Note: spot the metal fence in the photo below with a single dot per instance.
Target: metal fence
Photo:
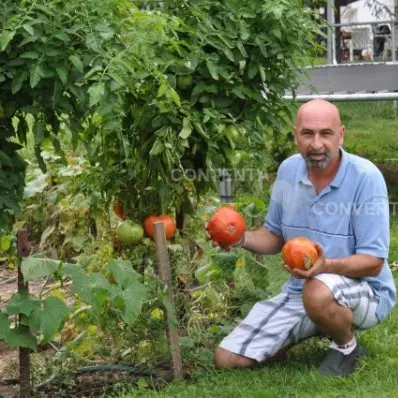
(363, 42)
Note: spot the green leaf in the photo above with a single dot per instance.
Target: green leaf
(29, 29)
(22, 303)
(242, 49)
(5, 37)
(262, 73)
(96, 93)
(133, 298)
(62, 73)
(157, 148)
(123, 272)
(174, 96)
(36, 73)
(77, 62)
(186, 130)
(162, 90)
(5, 242)
(213, 70)
(21, 336)
(229, 54)
(277, 32)
(17, 82)
(34, 268)
(93, 71)
(117, 78)
(5, 159)
(30, 55)
(252, 71)
(49, 319)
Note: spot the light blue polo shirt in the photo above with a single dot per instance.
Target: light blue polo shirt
(350, 216)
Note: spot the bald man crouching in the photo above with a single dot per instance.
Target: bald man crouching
(339, 201)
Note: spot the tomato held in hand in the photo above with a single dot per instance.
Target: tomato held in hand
(169, 225)
(226, 227)
(299, 253)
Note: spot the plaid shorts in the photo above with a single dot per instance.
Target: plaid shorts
(282, 321)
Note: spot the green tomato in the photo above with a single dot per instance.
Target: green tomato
(129, 233)
(184, 82)
(236, 136)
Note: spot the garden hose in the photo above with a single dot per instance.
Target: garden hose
(101, 368)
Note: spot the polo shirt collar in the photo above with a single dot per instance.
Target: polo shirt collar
(338, 178)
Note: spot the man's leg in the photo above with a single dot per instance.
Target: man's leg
(266, 333)
(323, 309)
(225, 359)
(338, 305)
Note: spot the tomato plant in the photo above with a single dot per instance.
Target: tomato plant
(146, 109)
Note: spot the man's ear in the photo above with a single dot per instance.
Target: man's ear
(342, 132)
(295, 134)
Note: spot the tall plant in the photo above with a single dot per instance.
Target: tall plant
(151, 94)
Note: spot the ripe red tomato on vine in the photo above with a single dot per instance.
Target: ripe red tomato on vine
(169, 224)
(118, 209)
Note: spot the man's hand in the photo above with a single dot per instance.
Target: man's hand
(317, 268)
(215, 244)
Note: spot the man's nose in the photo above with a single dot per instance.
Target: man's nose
(316, 142)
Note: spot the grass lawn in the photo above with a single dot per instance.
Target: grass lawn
(371, 130)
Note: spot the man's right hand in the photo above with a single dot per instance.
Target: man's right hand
(215, 244)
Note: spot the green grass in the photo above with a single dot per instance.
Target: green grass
(371, 130)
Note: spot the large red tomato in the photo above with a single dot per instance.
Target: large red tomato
(299, 253)
(169, 224)
(226, 226)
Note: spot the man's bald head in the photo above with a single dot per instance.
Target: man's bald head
(318, 108)
(319, 133)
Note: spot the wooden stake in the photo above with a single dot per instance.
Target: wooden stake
(24, 353)
(165, 275)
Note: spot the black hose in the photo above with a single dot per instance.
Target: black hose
(102, 368)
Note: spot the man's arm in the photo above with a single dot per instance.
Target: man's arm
(355, 266)
(262, 241)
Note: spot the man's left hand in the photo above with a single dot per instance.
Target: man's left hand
(318, 267)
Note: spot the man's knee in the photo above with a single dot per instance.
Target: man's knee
(317, 298)
(225, 359)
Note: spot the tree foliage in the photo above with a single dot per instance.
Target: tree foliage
(148, 93)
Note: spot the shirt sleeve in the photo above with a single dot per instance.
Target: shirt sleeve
(371, 218)
(273, 219)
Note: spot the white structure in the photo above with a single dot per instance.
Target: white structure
(358, 11)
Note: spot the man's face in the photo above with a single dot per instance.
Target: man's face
(318, 135)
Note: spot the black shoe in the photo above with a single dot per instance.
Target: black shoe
(337, 364)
